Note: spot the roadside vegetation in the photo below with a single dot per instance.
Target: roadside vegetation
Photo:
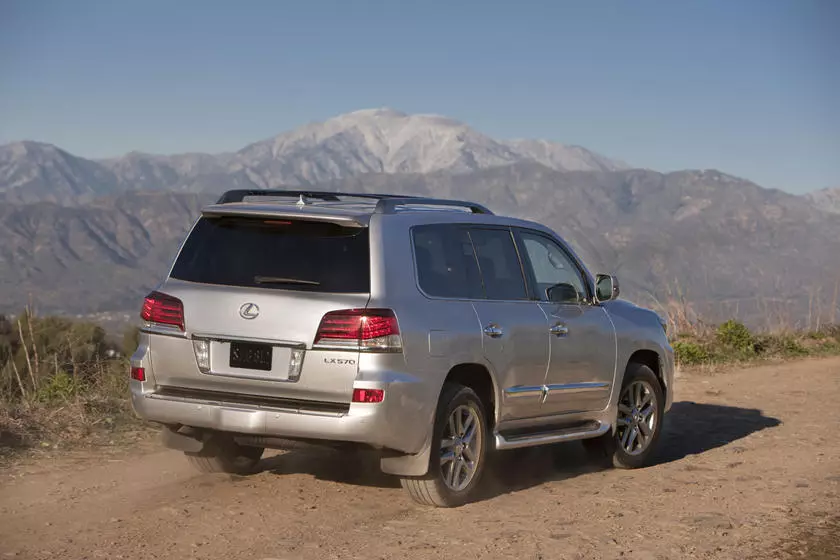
(732, 342)
(64, 383)
(698, 344)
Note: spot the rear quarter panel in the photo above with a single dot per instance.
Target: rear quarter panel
(437, 334)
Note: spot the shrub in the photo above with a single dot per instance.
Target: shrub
(783, 345)
(59, 387)
(689, 353)
(789, 346)
(734, 334)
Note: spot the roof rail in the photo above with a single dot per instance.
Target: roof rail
(386, 203)
(240, 194)
(389, 205)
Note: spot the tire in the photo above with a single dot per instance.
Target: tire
(621, 448)
(223, 455)
(453, 481)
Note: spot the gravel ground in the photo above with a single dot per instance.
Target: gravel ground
(749, 467)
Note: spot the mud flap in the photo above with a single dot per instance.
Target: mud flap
(190, 442)
(407, 465)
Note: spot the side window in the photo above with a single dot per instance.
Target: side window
(498, 264)
(556, 275)
(445, 262)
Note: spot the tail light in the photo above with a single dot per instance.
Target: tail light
(138, 373)
(360, 329)
(163, 309)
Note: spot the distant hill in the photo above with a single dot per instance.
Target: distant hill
(88, 236)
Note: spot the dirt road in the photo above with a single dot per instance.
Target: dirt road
(749, 468)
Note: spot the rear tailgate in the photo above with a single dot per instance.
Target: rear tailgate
(254, 291)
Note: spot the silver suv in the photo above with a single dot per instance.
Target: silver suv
(430, 330)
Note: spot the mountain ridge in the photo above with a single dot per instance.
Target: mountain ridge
(727, 245)
(365, 141)
(826, 199)
(108, 229)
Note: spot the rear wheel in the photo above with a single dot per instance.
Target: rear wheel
(459, 448)
(223, 455)
(638, 424)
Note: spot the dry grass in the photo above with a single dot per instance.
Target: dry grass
(62, 383)
(94, 416)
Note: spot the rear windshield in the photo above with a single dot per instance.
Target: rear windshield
(282, 254)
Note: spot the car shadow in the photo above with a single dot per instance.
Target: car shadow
(690, 429)
(356, 467)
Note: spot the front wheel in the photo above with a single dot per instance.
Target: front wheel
(641, 409)
(458, 451)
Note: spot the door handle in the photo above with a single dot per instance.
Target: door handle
(493, 331)
(559, 330)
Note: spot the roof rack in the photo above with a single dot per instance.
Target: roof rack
(386, 203)
(389, 205)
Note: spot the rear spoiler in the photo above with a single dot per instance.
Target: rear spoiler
(313, 213)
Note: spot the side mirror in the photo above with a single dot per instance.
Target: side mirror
(606, 287)
(562, 293)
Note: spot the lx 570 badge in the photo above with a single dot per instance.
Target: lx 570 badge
(340, 361)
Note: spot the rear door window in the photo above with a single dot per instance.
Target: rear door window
(446, 265)
(498, 263)
(281, 254)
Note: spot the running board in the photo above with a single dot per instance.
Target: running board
(589, 430)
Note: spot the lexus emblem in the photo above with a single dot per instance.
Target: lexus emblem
(249, 311)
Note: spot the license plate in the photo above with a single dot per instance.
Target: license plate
(248, 355)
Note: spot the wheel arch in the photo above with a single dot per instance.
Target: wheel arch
(651, 359)
(478, 378)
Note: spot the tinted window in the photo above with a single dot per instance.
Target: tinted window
(290, 255)
(498, 264)
(445, 262)
(553, 268)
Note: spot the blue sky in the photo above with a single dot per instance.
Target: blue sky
(751, 87)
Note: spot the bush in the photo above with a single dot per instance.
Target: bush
(60, 387)
(735, 335)
(689, 353)
(783, 345)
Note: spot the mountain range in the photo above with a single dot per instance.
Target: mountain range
(368, 141)
(84, 236)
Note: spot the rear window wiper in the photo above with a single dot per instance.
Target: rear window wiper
(281, 280)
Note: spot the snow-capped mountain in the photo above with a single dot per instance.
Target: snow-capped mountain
(349, 145)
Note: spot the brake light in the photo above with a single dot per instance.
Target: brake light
(138, 373)
(364, 329)
(368, 395)
(163, 309)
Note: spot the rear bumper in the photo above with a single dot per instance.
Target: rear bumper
(387, 424)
